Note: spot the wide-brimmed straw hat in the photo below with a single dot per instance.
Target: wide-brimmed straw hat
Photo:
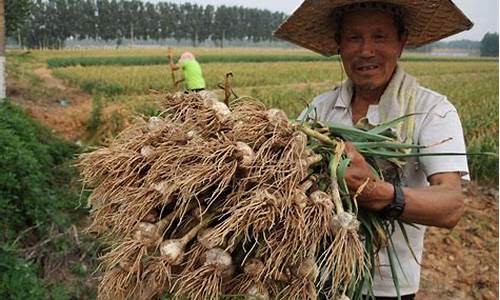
(313, 25)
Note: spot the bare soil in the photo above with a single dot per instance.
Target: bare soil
(463, 263)
(458, 264)
(64, 109)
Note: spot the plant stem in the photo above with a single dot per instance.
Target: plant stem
(334, 186)
(319, 136)
(194, 231)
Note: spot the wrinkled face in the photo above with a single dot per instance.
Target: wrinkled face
(370, 47)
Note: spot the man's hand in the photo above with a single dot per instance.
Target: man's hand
(376, 193)
(358, 171)
(440, 204)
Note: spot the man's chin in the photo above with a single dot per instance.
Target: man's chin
(367, 86)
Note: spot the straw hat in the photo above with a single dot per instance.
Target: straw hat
(313, 25)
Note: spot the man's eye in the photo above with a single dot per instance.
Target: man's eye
(379, 37)
(354, 37)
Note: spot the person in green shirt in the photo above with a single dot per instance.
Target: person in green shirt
(191, 69)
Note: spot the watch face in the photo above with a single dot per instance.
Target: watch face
(395, 211)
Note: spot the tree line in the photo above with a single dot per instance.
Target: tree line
(51, 22)
(489, 45)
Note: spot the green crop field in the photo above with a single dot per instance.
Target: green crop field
(286, 79)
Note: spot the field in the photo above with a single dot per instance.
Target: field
(90, 104)
(289, 84)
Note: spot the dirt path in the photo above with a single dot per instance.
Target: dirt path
(62, 108)
(50, 81)
(463, 263)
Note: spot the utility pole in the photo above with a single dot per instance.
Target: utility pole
(2, 50)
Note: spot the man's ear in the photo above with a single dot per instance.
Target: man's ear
(404, 39)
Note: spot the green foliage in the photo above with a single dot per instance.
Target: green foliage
(16, 12)
(31, 162)
(18, 278)
(36, 198)
(147, 109)
(59, 62)
(489, 45)
(52, 22)
(95, 117)
(484, 168)
(96, 87)
(116, 123)
(59, 292)
(79, 270)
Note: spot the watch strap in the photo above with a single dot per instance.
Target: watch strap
(395, 209)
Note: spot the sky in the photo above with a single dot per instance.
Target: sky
(483, 13)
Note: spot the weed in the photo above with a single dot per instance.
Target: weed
(95, 116)
(147, 109)
(79, 269)
(97, 87)
(116, 123)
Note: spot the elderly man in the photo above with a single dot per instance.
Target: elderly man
(370, 37)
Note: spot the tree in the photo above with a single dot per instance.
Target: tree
(167, 20)
(225, 24)
(12, 15)
(16, 12)
(151, 22)
(2, 51)
(489, 45)
(52, 22)
(206, 23)
(193, 18)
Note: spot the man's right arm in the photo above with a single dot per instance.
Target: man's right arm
(440, 204)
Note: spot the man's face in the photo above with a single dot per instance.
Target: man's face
(370, 47)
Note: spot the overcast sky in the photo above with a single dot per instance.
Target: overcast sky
(483, 13)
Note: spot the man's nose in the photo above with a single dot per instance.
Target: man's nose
(367, 48)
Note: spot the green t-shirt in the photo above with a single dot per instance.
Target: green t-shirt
(193, 78)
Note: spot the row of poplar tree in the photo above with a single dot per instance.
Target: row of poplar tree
(51, 22)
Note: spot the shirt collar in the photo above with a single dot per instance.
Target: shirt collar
(345, 94)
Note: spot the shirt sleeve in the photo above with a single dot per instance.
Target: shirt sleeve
(442, 131)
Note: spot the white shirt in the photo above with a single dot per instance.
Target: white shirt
(441, 122)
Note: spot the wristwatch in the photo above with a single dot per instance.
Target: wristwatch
(394, 209)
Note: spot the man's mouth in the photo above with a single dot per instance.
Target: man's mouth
(364, 68)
